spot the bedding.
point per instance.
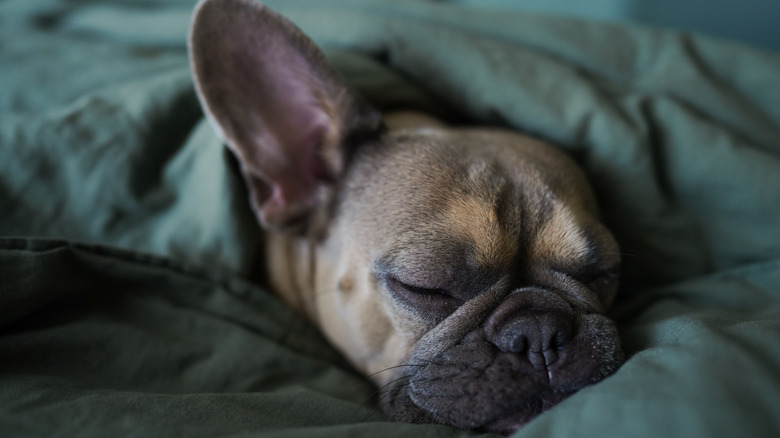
(129, 261)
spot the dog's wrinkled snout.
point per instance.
(532, 350)
(537, 331)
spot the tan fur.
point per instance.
(475, 220)
(561, 236)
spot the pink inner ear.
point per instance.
(279, 133)
(296, 175)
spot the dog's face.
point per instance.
(464, 270)
(469, 265)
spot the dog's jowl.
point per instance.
(464, 270)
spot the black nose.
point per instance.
(537, 330)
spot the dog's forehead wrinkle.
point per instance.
(428, 261)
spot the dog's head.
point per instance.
(464, 270)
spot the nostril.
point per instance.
(541, 336)
(512, 339)
(550, 356)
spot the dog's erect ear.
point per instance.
(277, 104)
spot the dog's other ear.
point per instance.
(277, 104)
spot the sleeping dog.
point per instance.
(464, 270)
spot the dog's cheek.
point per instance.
(350, 311)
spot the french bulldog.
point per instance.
(464, 270)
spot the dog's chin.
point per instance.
(505, 423)
(473, 385)
(527, 411)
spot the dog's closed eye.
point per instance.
(437, 302)
(418, 290)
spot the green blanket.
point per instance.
(128, 256)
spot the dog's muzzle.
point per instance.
(531, 352)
